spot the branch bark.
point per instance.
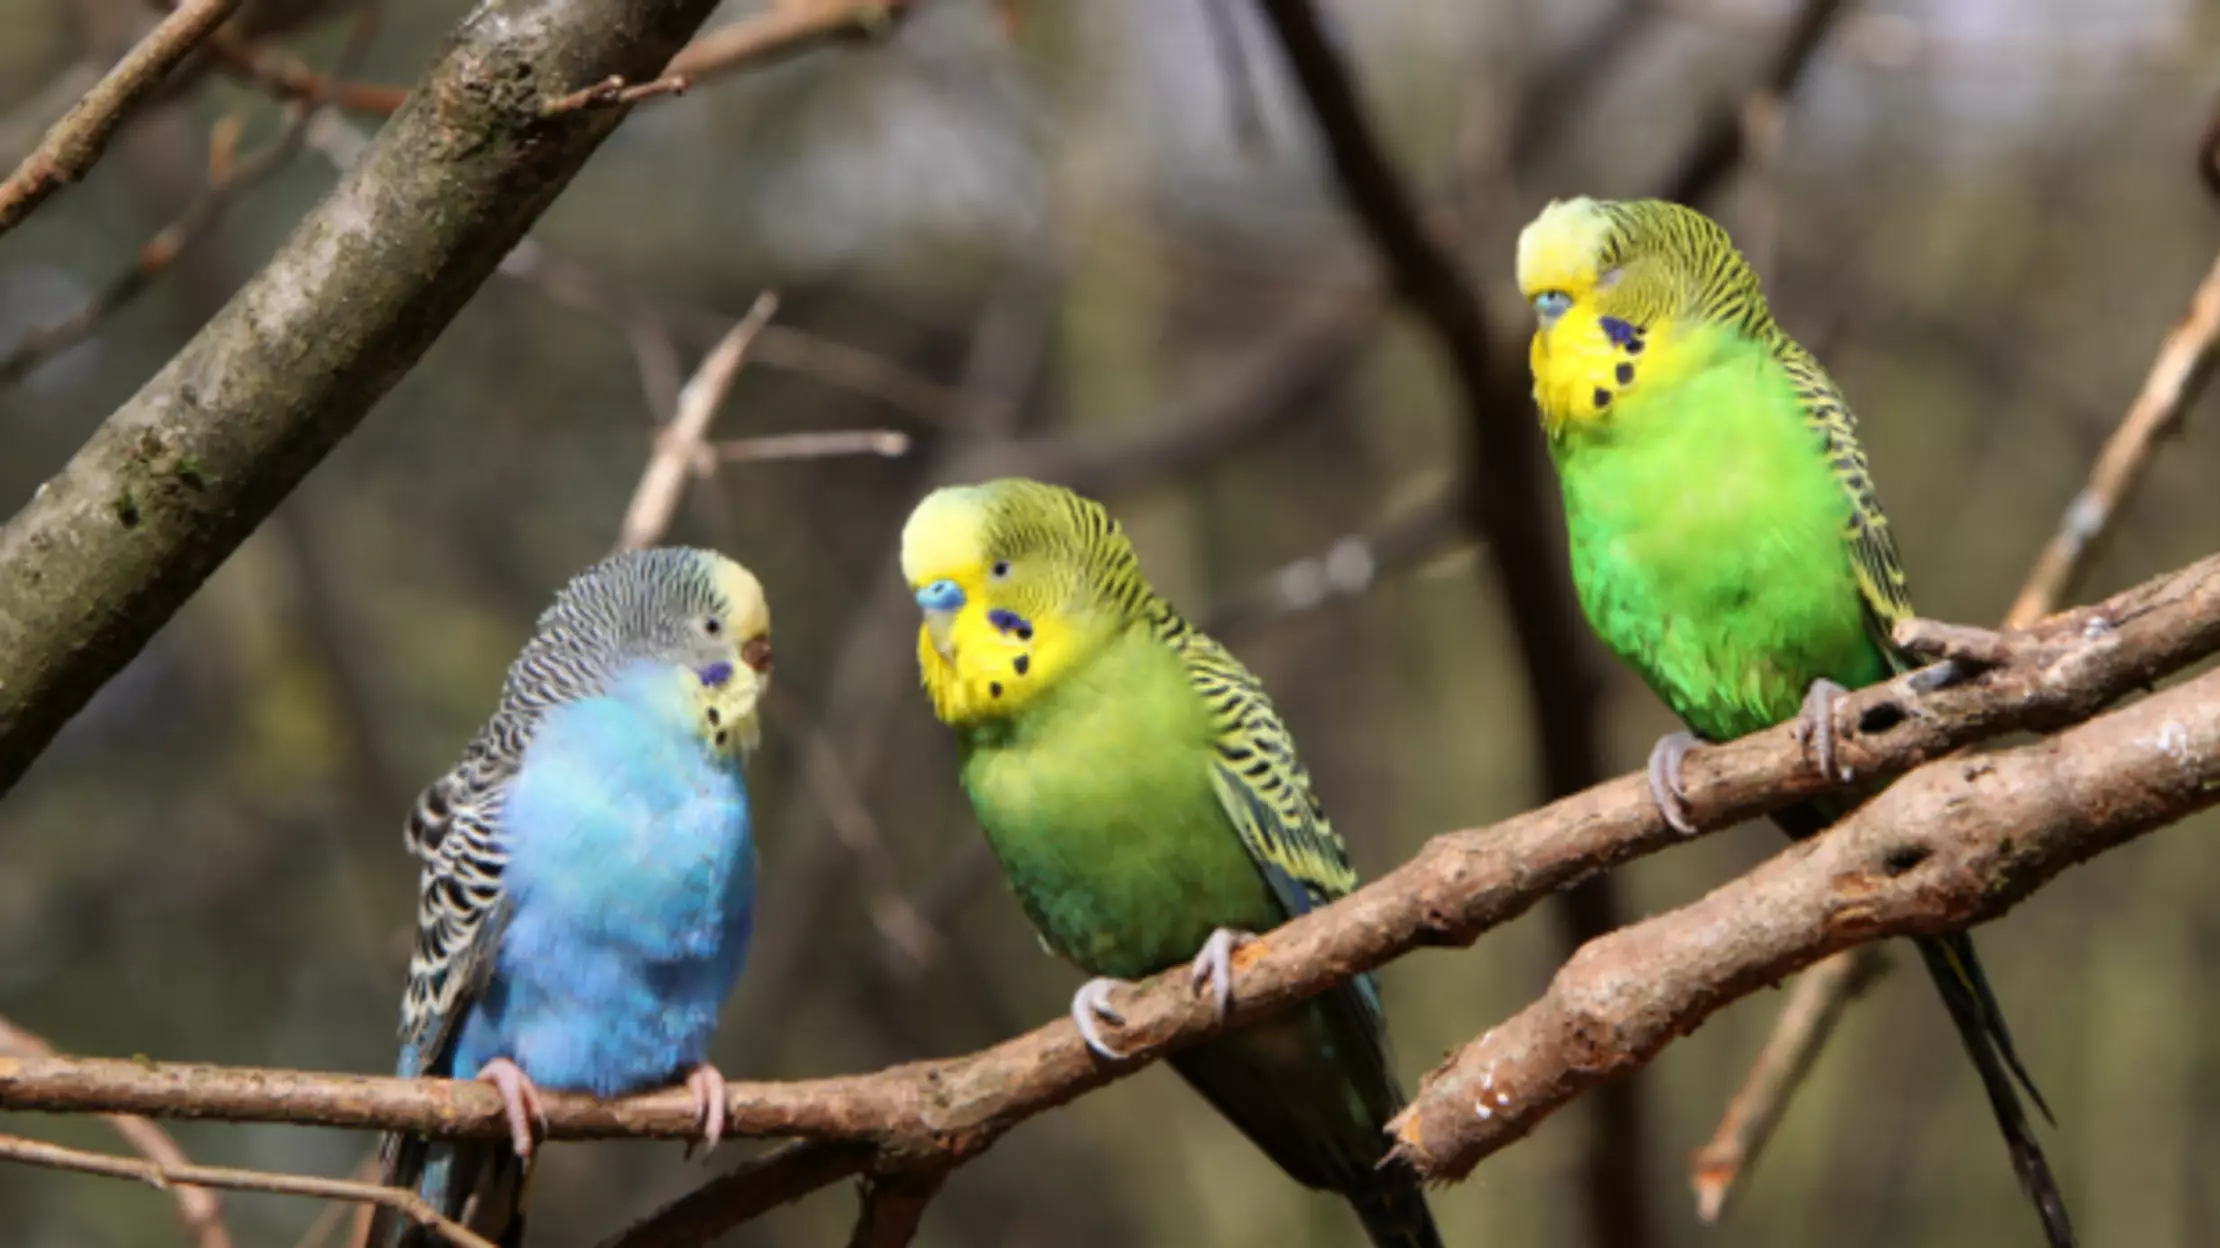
(1952, 845)
(928, 1116)
(176, 478)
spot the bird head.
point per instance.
(1017, 582)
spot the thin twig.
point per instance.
(198, 1207)
(75, 143)
(163, 1177)
(884, 443)
(656, 499)
(287, 77)
(787, 27)
(2177, 375)
(613, 91)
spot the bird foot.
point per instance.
(707, 1083)
(521, 1097)
(1815, 726)
(1213, 967)
(1092, 1003)
(1666, 788)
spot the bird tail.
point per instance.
(1392, 1206)
(1973, 1008)
(478, 1184)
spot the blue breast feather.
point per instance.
(631, 886)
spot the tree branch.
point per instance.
(176, 478)
(75, 143)
(932, 1115)
(198, 1207)
(677, 442)
(1949, 846)
(787, 27)
(162, 1176)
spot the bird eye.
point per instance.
(712, 625)
(1551, 304)
(1001, 569)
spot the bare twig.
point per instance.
(1805, 1022)
(2177, 376)
(197, 1207)
(1814, 1006)
(74, 144)
(226, 178)
(680, 440)
(164, 1177)
(884, 443)
(935, 1114)
(1952, 845)
(287, 77)
(613, 91)
(787, 27)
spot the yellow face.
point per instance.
(997, 630)
(727, 687)
(1584, 359)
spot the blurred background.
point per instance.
(1099, 243)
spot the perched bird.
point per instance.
(588, 876)
(1147, 805)
(1725, 537)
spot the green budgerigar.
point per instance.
(1147, 805)
(1724, 533)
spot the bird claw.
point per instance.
(1214, 966)
(1666, 788)
(707, 1083)
(1815, 726)
(522, 1099)
(1092, 1002)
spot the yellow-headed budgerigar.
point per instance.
(1147, 805)
(588, 875)
(1726, 541)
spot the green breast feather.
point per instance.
(1708, 532)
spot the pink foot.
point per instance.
(707, 1084)
(521, 1098)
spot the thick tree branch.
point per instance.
(176, 478)
(930, 1115)
(1949, 846)
(74, 144)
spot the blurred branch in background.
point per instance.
(229, 174)
(788, 27)
(198, 1207)
(679, 440)
(1946, 847)
(2177, 376)
(75, 143)
(922, 1118)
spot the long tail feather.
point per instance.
(1965, 992)
(1392, 1206)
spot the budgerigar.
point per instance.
(588, 872)
(1147, 805)
(1725, 537)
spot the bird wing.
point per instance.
(460, 906)
(1872, 547)
(1262, 784)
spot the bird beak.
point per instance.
(940, 601)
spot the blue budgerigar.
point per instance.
(588, 869)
